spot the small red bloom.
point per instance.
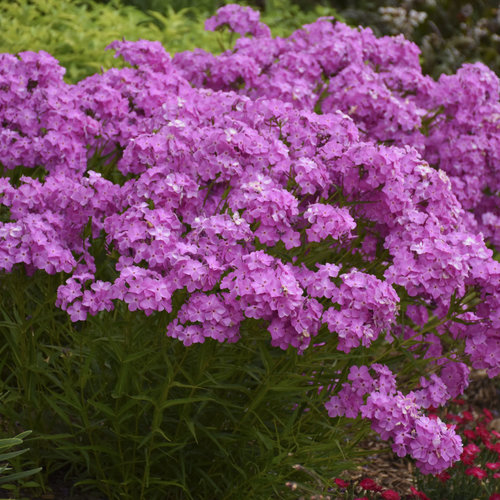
(471, 449)
(470, 434)
(459, 402)
(496, 475)
(443, 476)
(390, 495)
(370, 485)
(467, 416)
(469, 453)
(482, 432)
(488, 414)
(493, 465)
(496, 434)
(361, 498)
(495, 496)
(476, 472)
(341, 483)
(489, 445)
(419, 494)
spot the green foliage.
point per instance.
(77, 33)
(11, 477)
(137, 415)
(161, 5)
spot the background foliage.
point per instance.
(77, 33)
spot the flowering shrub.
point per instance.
(318, 184)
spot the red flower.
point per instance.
(471, 449)
(443, 476)
(361, 498)
(459, 402)
(476, 472)
(496, 475)
(493, 465)
(390, 495)
(341, 483)
(470, 434)
(496, 434)
(419, 494)
(482, 432)
(467, 416)
(370, 485)
(469, 453)
(495, 496)
(489, 445)
(488, 414)
(452, 416)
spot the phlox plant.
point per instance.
(216, 266)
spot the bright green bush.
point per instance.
(77, 34)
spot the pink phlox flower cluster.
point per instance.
(220, 239)
(396, 416)
(265, 288)
(50, 219)
(143, 53)
(260, 200)
(212, 316)
(368, 307)
(433, 392)
(327, 220)
(41, 120)
(482, 344)
(319, 283)
(242, 20)
(311, 176)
